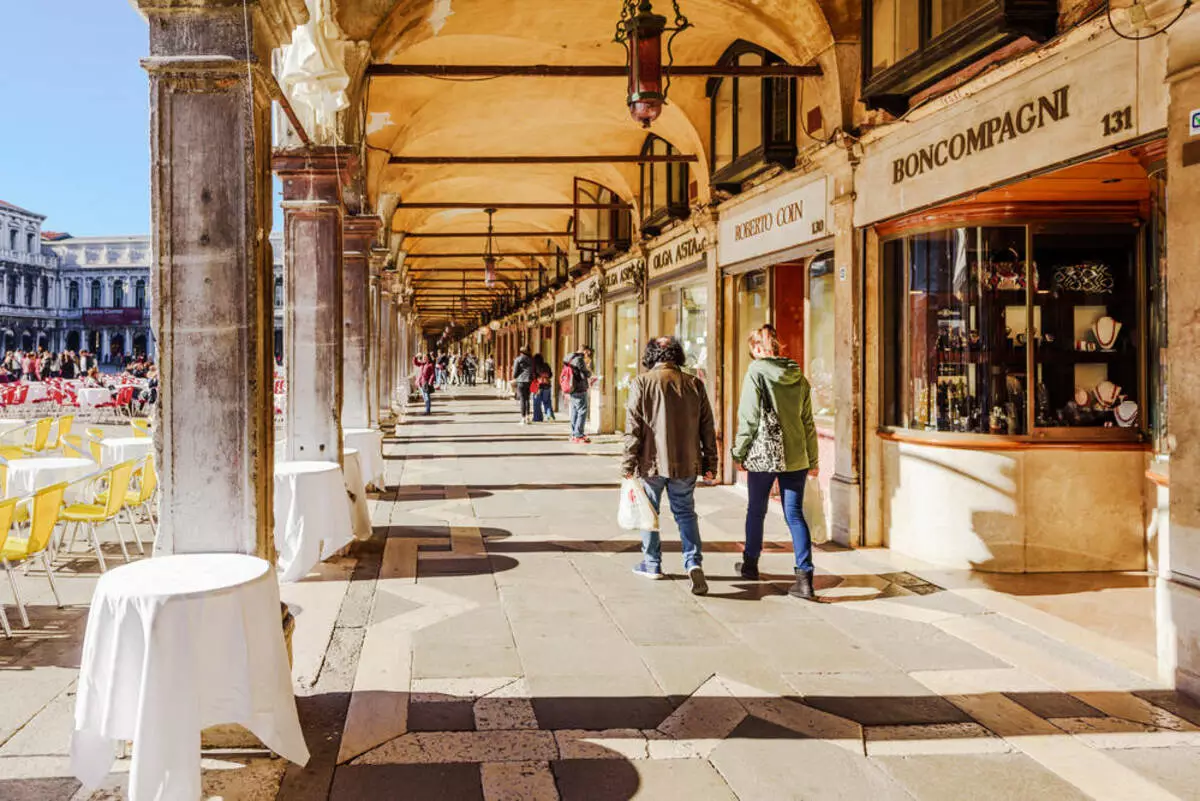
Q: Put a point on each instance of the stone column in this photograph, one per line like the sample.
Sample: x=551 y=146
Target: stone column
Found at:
x=845 y=487
x=312 y=329
x=386 y=350
x=210 y=192
x=1178 y=585
x=360 y=233
x=373 y=345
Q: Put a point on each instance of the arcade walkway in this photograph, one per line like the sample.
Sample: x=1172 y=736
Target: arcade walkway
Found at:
x=492 y=643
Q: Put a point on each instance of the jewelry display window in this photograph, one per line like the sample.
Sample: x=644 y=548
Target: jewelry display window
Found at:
x=1031 y=331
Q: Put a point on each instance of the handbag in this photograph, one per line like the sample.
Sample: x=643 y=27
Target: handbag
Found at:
x=766 y=451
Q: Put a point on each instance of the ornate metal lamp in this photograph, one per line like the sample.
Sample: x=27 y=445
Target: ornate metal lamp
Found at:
x=489 y=254
x=640 y=32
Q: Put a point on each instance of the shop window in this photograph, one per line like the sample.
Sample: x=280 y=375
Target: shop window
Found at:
x=753 y=312
x=139 y=294
x=753 y=119
x=602 y=231
x=664 y=187
x=819 y=353
x=73 y=295
x=1014 y=330
x=683 y=313
x=909 y=45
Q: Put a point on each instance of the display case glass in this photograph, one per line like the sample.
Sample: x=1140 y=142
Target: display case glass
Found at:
x=1018 y=330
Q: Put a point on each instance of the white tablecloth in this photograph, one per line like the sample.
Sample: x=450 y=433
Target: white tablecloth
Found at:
x=7 y=426
x=26 y=476
x=90 y=397
x=119 y=449
x=369 y=444
x=37 y=391
x=360 y=513
x=312 y=515
x=175 y=644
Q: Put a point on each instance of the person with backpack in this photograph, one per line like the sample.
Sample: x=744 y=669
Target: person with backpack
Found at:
x=541 y=390
x=575 y=380
x=776 y=441
x=522 y=372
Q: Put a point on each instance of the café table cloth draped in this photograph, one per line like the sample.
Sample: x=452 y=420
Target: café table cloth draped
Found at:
x=26 y=476
x=369 y=443
x=357 y=489
x=312 y=515
x=175 y=644
x=90 y=397
x=120 y=449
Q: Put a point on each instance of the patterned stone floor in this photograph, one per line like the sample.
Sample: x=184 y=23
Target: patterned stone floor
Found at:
x=491 y=643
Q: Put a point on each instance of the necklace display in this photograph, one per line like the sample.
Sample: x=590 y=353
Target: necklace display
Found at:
x=1106 y=330
x=1126 y=414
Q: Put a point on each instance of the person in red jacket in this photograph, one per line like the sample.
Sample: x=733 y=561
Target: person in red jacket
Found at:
x=426 y=378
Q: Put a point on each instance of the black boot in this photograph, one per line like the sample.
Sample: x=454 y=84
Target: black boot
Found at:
x=748 y=568
x=803 y=587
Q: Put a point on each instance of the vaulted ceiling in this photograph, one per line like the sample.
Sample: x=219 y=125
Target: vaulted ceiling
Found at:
x=421 y=116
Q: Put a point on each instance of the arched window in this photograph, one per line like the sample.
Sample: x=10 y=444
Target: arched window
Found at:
x=664 y=194
x=12 y=281
x=29 y=290
x=12 y=239
x=29 y=240
x=45 y=292
x=96 y=291
x=139 y=293
x=73 y=295
x=753 y=119
x=602 y=230
x=118 y=294
x=279 y=292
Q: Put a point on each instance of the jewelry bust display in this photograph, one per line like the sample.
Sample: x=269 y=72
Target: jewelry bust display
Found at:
x=1126 y=414
x=1107 y=394
x=1106 y=330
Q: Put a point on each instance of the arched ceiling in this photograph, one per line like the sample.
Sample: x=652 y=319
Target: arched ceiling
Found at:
x=418 y=116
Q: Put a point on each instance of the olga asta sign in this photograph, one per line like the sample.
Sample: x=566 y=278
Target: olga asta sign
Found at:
x=993 y=131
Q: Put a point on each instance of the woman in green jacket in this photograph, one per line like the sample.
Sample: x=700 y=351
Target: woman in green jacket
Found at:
x=779 y=384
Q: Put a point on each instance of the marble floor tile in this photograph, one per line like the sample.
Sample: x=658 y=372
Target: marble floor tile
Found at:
x=518 y=781
x=619 y=780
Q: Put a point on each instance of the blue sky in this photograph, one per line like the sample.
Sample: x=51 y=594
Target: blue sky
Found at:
x=78 y=151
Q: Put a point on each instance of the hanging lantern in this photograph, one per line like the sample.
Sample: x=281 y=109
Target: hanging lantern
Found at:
x=489 y=254
x=640 y=32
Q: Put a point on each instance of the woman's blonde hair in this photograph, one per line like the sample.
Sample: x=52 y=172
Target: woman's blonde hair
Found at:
x=764 y=339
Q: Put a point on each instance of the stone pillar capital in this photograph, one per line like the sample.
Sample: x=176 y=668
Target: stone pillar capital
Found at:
x=361 y=232
x=313 y=174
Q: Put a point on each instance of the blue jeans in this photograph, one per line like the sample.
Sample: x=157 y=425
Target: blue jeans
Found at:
x=681 y=494
x=579 y=413
x=427 y=394
x=791 y=489
x=546 y=396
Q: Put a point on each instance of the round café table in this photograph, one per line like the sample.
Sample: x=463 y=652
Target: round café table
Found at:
x=360 y=513
x=175 y=644
x=312 y=516
x=115 y=450
x=369 y=443
x=91 y=397
x=11 y=424
x=26 y=476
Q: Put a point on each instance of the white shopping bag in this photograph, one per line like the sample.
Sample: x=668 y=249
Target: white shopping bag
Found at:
x=635 y=512
x=814 y=512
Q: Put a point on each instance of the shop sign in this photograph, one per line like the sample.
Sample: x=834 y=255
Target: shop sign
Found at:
x=113 y=316
x=678 y=253
x=1194 y=123
x=564 y=303
x=547 y=313
x=782 y=218
x=1051 y=112
x=588 y=294
x=623 y=275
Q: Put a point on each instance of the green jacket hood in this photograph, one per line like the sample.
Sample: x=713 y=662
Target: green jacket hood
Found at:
x=778 y=370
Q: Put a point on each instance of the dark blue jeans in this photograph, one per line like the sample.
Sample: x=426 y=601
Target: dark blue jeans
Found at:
x=579 y=413
x=427 y=394
x=791 y=490
x=681 y=496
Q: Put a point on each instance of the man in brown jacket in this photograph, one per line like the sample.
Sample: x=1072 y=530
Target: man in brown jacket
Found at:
x=669 y=441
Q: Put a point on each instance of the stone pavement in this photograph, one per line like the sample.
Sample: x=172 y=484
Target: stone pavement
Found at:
x=491 y=643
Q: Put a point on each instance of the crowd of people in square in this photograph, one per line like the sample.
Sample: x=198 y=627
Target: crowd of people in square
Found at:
x=81 y=369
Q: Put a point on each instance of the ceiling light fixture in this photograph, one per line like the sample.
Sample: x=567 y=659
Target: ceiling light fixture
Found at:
x=640 y=32
x=489 y=254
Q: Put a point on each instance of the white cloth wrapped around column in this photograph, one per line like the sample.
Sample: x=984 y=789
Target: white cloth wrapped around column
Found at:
x=175 y=644
x=360 y=512
x=369 y=444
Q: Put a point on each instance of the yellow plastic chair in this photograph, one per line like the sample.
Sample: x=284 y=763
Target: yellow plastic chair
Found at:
x=141 y=427
x=46 y=504
x=7 y=508
x=94 y=514
x=41 y=436
x=64 y=432
x=139 y=498
x=94 y=437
